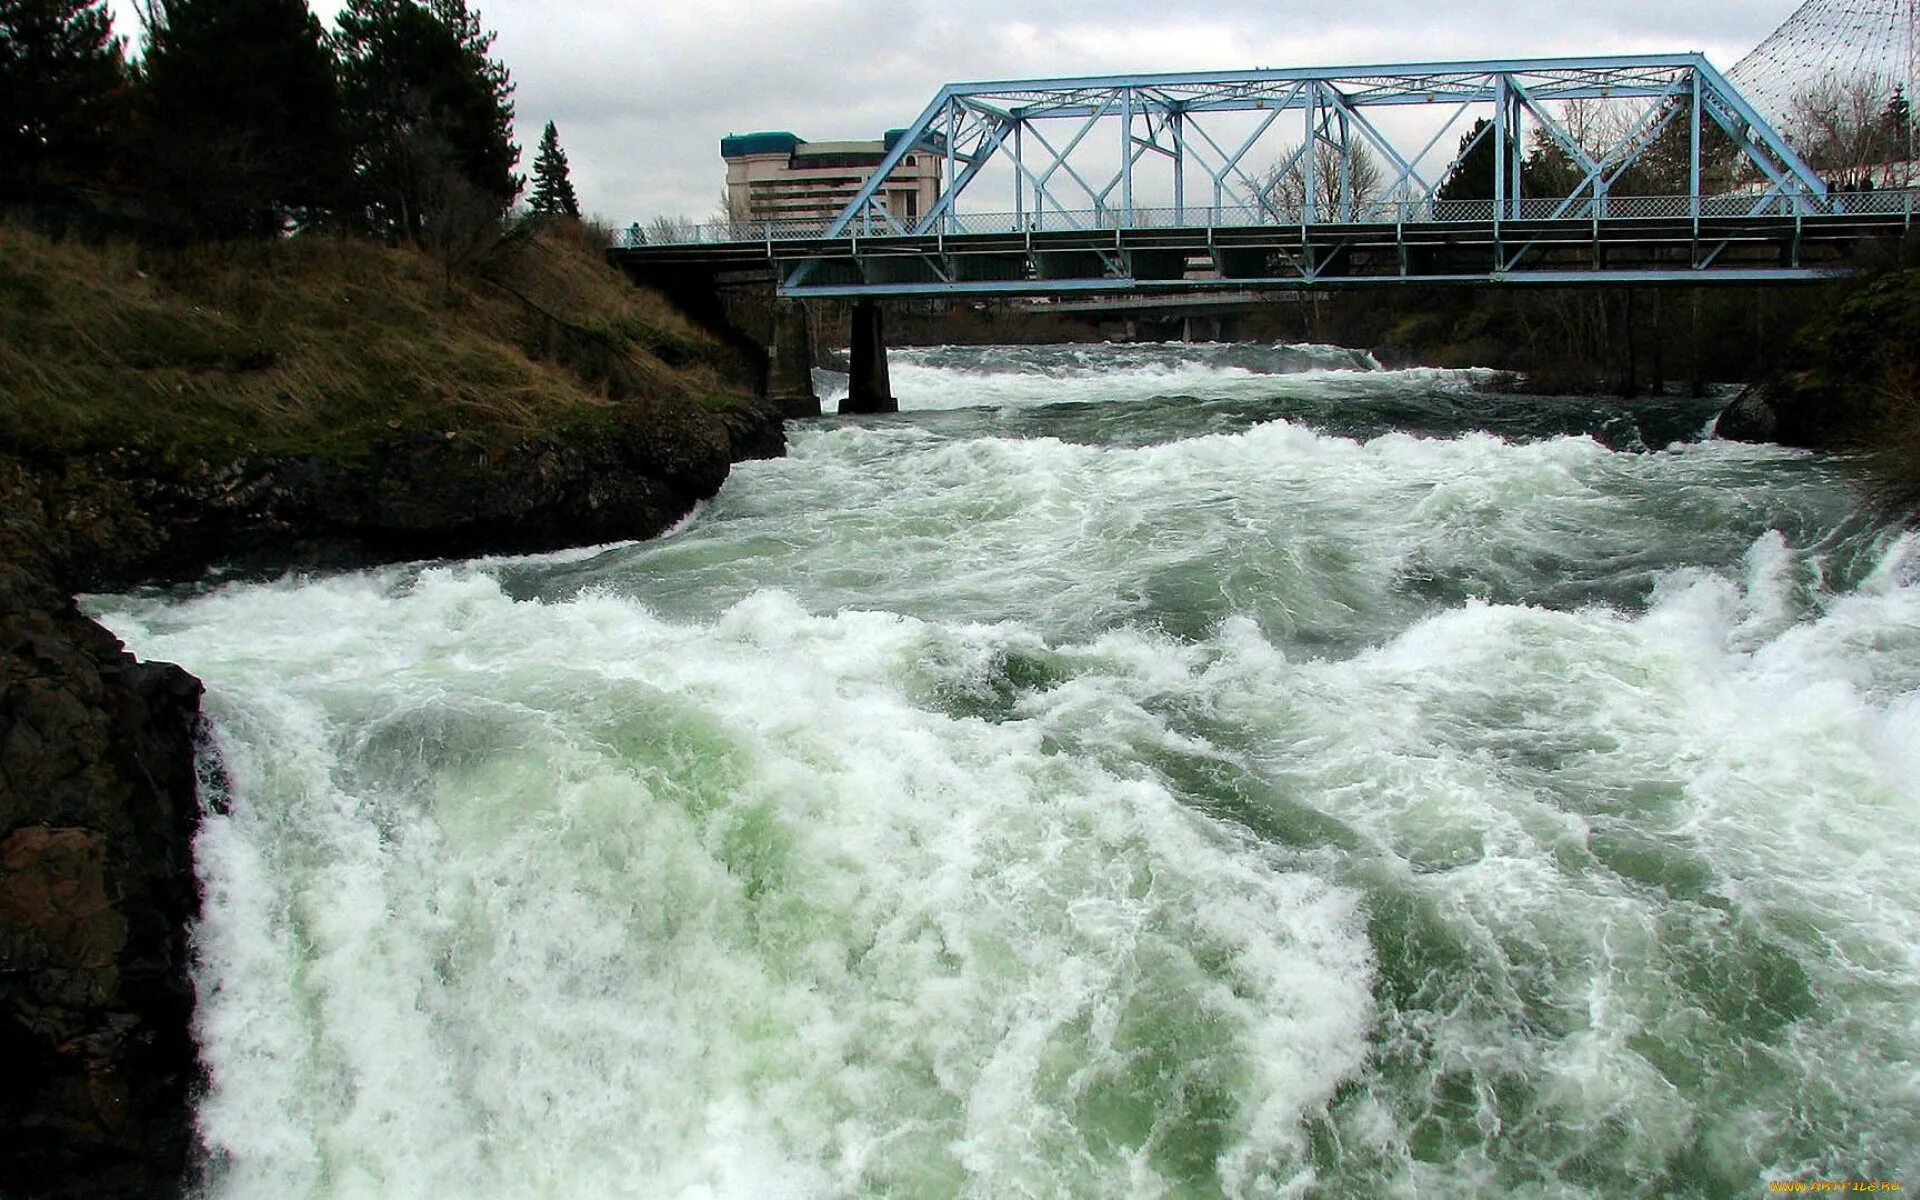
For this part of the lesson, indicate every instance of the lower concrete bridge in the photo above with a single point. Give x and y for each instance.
(1205, 272)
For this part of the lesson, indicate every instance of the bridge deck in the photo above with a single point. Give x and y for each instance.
(1193, 259)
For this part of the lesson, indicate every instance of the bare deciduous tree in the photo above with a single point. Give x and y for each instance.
(1839, 127)
(731, 217)
(460, 221)
(672, 229)
(1280, 192)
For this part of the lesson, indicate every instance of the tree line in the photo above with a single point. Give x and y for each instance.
(248, 118)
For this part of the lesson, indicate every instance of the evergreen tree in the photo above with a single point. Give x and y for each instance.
(552, 189)
(431, 116)
(1896, 126)
(61, 82)
(242, 108)
(1472, 177)
(1549, 171)
(1664, 166)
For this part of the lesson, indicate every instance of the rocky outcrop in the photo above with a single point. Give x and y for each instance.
(97, 812)
(120, 517)
(1749, 418)
(755, 429)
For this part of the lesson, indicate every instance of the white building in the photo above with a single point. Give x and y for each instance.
(776, 176)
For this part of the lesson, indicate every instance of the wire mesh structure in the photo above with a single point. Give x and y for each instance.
(1831, 41)
(1839, 76)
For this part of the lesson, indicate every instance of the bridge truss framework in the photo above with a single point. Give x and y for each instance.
(1165, 116)
(1132, 183)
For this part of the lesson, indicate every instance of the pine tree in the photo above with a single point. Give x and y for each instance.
(431, 116)
(242, 110)
(1896, 126)
(552, 189)
(1472, 177)
(62, 79)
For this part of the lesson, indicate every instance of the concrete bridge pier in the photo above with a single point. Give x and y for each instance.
(868, 389)
(790, 362)
(1203, 328)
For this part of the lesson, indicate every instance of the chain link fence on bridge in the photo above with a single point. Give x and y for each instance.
(1878, 202)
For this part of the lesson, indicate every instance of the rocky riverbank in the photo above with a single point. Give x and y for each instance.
(145, 442)
(115, 518)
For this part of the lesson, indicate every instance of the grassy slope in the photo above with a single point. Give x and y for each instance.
(326, 345)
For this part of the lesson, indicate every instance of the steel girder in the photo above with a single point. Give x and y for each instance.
(1049, 134)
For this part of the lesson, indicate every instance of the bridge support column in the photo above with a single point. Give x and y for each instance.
(790, 362)
(868, 389)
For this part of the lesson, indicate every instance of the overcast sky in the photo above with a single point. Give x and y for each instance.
(643, 90)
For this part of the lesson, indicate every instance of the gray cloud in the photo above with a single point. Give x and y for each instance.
(644, 91)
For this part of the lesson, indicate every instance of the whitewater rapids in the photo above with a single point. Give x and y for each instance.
(1148, 771)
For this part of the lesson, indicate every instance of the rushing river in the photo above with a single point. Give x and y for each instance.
(1132, 772)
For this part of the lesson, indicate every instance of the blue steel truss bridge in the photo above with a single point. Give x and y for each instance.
(1571, 171)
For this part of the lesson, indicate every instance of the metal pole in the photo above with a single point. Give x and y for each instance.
(1313, 152)
(1693, 170)
(1500, 103)
(1346, 168)
(953, 109)
(1913, 71)
(1019, 177)
(1126, 157)
(1179, 165)
(1516, 176)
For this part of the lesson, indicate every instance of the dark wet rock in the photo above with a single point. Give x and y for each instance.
(97, 812)
(1749, 418)
(755, 429)
(121, 517)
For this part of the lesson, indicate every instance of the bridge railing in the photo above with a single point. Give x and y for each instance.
(1884, 202)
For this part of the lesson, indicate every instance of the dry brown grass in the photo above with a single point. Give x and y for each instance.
(322, 343)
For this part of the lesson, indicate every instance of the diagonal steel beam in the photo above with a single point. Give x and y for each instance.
(996, 136)
(914, 134)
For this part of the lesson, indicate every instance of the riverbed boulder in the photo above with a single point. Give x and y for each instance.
(755, 428)
(1749, 418)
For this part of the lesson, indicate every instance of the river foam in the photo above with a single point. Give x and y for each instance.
(948, 377)
(558, 894)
